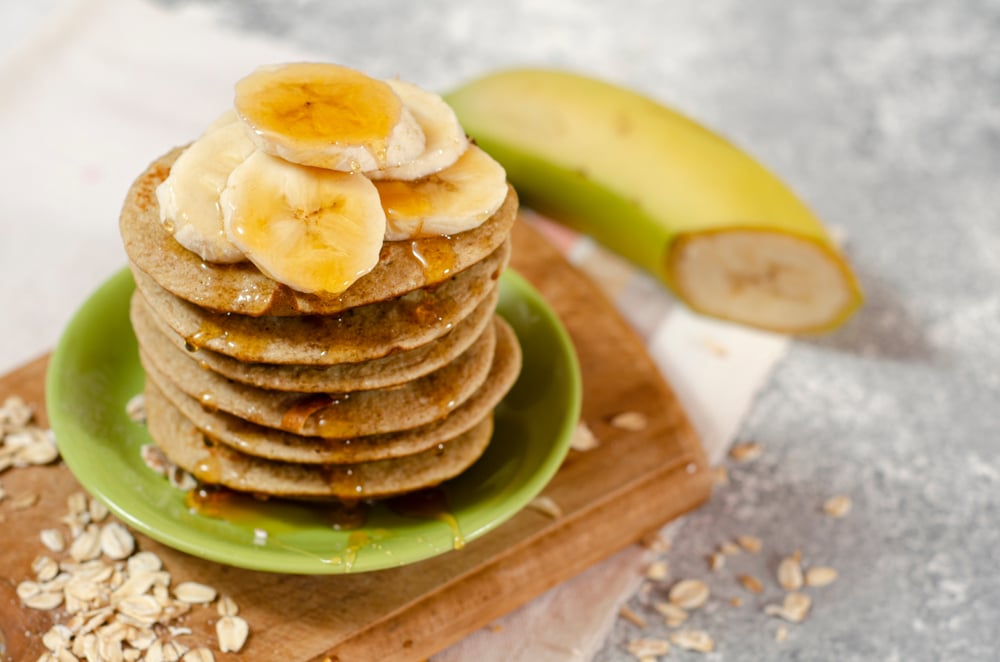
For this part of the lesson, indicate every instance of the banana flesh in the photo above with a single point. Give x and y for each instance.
(456, 199)
(314, 230)
(328, 116)
(445, 139)
(725, 234)
(285, 179)
(189, 197)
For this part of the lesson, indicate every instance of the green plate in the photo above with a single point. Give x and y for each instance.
(95, 371)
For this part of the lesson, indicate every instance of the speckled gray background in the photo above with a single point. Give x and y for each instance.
(885, 116)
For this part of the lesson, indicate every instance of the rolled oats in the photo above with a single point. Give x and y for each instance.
(673, 614)
(53, 540)
(232, 633)
(751, 544)
(583, 438)
(746, 451)
(751, 583)
(693, 640)
(689, 593)
(794, 608)
(87, 545)
(116, 542)
(194, 593)
(790, 574)
(838, 506)
(648, 648)
(820, 576)
(630, 421)
(226, 606)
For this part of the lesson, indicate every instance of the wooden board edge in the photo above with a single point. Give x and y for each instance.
(421, 629)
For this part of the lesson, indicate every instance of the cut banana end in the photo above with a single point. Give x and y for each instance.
(188, 198)
(772, 280)
(313, 230)
(293, 110)
(454, 200)
(445, 138)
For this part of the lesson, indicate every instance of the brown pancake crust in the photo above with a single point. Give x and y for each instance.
(359, 334)
(268, 443)
(241, 288)
(338, 415)
(218, 464)
(390, 370)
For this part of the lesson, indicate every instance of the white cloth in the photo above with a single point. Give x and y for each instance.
(100, 87)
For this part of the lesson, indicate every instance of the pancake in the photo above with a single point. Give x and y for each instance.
(337, 415)
(219, 464)
(359, 334)
(241, 288)
(390, 370)
(273, 444)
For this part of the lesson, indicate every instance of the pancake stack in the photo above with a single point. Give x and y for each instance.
(384, 388)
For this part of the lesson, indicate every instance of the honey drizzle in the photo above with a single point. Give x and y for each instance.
(436, 255)
(431, 503)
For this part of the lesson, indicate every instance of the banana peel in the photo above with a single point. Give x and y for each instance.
(726, 235)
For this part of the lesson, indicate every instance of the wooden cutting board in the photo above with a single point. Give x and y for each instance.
(610, 497)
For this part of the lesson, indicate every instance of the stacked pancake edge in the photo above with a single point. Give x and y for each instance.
(384, 389)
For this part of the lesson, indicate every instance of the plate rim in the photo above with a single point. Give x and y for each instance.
(271, 558)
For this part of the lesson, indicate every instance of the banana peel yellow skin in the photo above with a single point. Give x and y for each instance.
(726, 235)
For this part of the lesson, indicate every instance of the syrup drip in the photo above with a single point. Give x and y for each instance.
(437, 257)
(431, 503)
(208, 402)
(295, 417)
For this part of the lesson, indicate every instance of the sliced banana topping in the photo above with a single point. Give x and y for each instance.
(456, 199)
(312, 229)
(286, 179)
(189, 196)
(328, 116)
(445, 139)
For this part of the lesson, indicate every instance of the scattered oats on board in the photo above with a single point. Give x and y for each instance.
(729, 548)
(113, 602)
(24, 501)
(583, 438)
(781, 634)
(745, 452)
(689, 593)
(232, 633)
(630, 421)
(716, 560)
(837, 506)
(546, 505)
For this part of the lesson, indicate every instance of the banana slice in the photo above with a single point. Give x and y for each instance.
(328, 116)
(312, 229)
(445, 138)
(189, 196)
(456, 199)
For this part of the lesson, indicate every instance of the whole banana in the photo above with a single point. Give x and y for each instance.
(722, 232)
